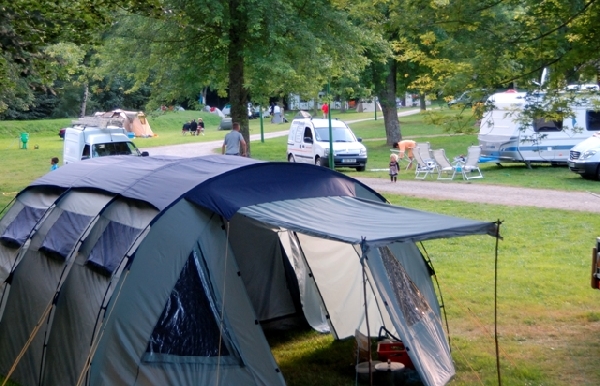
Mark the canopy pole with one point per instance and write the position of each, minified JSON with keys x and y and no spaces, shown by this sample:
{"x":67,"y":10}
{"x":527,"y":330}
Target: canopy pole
{"x":498,"y":223}
{"x":363,"y":248}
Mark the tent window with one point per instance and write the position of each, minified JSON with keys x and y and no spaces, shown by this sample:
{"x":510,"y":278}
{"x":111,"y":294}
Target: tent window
{"x":543,"y":126}
{"x":187,"y":325}
{"x":63,"y":235}
{"x":18,"y":231}
{"x":592,"y":120}
{"x":413,"y":304}
{"x":111,"y":247}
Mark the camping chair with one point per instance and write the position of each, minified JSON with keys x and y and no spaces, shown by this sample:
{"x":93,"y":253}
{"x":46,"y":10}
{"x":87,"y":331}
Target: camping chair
{"x":471,"y":164}
{"x":424,"y":166}
{"x":446,"y":171}
{"x":425,"y":149}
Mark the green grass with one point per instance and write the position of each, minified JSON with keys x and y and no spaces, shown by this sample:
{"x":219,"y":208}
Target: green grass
{"x":548,"y":316}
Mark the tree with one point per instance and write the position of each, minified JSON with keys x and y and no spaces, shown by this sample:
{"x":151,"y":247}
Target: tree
{"x":28,"y":27}
{"x":268,"y":47}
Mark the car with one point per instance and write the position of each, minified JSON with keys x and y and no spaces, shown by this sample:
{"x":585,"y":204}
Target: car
{"x":584,"y":158}
{"x":308,"y":142}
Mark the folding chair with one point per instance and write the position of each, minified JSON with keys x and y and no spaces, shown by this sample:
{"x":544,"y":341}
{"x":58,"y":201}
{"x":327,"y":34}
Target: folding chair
{"x":471,"y":164}
{"x":446,"y":171}
{"x":424,"y":167}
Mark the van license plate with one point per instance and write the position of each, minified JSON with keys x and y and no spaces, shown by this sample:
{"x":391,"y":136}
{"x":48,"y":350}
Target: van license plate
{"x":348,"y":161}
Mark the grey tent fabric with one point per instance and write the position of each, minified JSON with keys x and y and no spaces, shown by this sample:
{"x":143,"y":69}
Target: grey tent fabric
{"x":149,"y":236}
{"x":357,"y":220}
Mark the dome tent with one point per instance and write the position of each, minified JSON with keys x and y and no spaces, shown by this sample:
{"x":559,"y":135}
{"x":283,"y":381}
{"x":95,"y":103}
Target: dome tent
{"x":161,"y":270}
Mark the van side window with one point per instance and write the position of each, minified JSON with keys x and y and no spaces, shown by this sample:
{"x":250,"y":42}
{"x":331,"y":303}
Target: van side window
{"x":299,"y":133}
{"x":541,"y":125}
{"x":308,"y":134}
{"x":592,"y":120}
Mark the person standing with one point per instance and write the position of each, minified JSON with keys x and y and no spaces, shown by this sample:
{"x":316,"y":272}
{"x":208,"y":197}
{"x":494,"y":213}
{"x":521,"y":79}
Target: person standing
{"x":276,"y":114}
{"x":53,"y":163}
{"x":394,"y":167}
{"x":234,"y":141}
{"x":193,"y":127}
{"x":325,"y":110}
{"x":200,"y":126}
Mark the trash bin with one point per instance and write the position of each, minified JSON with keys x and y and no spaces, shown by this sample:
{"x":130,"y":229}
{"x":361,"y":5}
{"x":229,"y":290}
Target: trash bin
{"x":24,"y":140}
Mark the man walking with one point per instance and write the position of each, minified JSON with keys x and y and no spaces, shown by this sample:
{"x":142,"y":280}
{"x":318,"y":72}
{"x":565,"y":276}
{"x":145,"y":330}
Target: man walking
{"x":233,"y":141}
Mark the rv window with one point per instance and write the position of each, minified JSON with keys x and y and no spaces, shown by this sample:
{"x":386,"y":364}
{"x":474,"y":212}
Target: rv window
{"x":543,"y":126}
{"x":592,"y":120}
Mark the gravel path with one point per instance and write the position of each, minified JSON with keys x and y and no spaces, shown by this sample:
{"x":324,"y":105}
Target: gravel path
{"x":475,"y":191}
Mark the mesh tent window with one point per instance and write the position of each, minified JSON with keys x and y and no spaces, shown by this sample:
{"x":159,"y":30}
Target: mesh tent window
{"x":188,"y":325}
{"x":15,"y":235}
{"x":413,"y":304}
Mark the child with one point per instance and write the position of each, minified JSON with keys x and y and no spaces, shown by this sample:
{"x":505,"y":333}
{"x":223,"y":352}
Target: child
{"x":394,"y":167}
{"x":54,"y":163}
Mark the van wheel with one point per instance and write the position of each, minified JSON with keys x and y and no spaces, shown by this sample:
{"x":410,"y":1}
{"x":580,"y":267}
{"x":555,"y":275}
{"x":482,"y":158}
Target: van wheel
{"x":318,"y":161}
{"x":291,"y":158}
{"x":598,"y":173}
{"x":361,"y":168}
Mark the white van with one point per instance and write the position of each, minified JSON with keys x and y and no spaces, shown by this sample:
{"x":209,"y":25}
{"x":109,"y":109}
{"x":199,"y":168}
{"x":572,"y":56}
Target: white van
{"x":505,"y":137}
{"x":308,"y":142}
{"x":584,"y":158}
{"x":83,"y":142}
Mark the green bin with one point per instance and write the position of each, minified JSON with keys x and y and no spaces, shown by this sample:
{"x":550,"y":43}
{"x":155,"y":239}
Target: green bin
{"x":24,"y":140}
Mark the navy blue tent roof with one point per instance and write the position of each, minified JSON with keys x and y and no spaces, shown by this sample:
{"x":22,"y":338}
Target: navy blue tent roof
{"x":220,"y":183}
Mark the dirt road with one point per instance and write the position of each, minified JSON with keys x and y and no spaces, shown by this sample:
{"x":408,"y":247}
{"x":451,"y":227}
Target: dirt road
{"x":475,"y":191}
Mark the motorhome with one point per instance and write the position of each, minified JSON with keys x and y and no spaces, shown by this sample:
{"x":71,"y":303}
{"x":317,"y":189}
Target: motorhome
{"x":83,"y":142}
{"x":505,"y":136}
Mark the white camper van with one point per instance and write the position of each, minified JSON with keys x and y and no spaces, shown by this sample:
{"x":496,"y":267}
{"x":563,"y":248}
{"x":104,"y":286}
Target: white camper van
{"x":504,"y":137}
{"x":83,"y":142}
{"x":308,"y":142}
{"x":584,"y":158}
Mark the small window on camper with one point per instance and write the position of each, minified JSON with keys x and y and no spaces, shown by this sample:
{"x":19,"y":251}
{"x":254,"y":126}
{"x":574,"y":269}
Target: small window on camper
{"x":541,"y":125}
{"x":592,"y":120}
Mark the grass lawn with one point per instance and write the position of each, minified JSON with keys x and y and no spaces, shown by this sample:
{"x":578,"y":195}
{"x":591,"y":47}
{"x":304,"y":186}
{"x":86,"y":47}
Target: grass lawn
{"x":547,"y":313}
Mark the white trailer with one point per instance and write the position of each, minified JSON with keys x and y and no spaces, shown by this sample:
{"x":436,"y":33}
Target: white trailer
{"x":505,"y":136}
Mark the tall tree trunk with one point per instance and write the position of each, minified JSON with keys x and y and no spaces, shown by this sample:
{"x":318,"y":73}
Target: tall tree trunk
{"x":387,"y":99}
{"x":238,"y":94}
{"x":86,"y":95}
{"x":422,"y":105}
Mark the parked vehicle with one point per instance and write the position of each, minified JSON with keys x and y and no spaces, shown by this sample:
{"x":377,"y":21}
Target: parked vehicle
{"x":308,"y":142}
{"x":584,"y":158}
{"x":83,"y":142}
{"x":504,"y":134}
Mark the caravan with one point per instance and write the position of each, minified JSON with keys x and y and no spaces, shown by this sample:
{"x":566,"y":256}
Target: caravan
{"x":506,"y":136}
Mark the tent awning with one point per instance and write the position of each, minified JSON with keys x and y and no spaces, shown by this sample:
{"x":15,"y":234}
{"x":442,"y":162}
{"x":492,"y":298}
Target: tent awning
{"x":351,"y":219}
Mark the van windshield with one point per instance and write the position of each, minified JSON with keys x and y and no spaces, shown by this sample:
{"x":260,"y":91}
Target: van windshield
{"x":340,"y":134}
{"x":114,"y":148}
